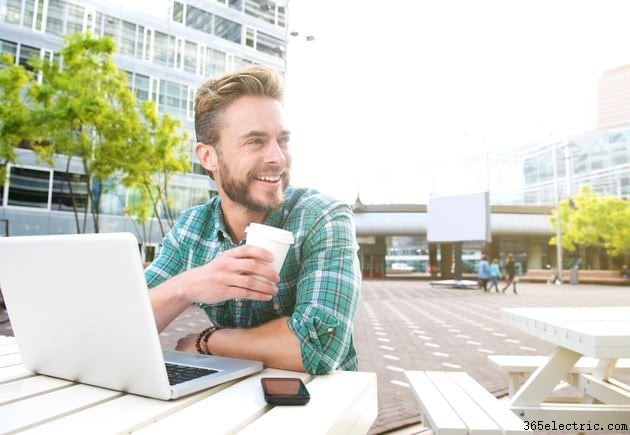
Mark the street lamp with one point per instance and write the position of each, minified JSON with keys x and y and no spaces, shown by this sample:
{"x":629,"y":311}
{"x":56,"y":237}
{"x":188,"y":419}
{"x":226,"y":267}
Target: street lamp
{"x":554,"y":156}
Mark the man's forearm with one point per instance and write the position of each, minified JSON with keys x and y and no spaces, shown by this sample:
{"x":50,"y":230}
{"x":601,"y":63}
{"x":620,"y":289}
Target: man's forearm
{"x":272,"y":343}
{"x":168,"y":302}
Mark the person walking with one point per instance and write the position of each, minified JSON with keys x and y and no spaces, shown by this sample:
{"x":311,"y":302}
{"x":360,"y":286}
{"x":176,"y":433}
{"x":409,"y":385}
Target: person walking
{"x":510,"y":272}
{"x":483,"y":273}
{"x":495,"y":275}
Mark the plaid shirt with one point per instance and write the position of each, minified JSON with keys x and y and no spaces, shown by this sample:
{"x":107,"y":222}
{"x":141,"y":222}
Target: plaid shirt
{"x":320,"y":280}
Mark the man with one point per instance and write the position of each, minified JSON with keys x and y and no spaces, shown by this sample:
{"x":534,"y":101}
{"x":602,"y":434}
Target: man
{"x":298,"y":320}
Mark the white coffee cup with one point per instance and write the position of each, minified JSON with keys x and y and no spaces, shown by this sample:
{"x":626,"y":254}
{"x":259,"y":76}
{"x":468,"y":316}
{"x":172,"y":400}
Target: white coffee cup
{"x":275,"y":240}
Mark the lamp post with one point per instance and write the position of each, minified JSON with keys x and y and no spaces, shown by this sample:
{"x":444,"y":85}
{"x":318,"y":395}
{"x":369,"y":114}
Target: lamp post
{"x":554,"y":156}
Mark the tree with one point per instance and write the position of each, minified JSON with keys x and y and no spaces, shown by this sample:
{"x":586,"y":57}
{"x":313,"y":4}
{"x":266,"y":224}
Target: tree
{"x":15,"y":125}
{"x":88,"y":113}
{"x":161,"y":152}
{"x":592,"y":219}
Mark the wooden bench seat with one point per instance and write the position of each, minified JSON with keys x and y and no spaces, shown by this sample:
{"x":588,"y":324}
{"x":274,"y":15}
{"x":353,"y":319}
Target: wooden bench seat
{"x":520,"y":367}
{"x":585,"y":276}
{"x":454,"y":403}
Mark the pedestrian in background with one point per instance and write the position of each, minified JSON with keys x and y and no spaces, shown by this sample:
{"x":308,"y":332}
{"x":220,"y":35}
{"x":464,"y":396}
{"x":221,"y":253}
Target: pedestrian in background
{"x":510,"y":273}
{"x":483,"y":273}
{"x":495,"y":275}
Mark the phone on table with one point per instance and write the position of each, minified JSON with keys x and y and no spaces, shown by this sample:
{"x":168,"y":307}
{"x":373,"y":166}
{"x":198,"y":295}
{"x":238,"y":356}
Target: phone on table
{"x":285,"y":391}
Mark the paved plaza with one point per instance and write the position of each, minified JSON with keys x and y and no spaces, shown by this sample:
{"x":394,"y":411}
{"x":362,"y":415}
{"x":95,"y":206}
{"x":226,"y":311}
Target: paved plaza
{"x":407,"y":324}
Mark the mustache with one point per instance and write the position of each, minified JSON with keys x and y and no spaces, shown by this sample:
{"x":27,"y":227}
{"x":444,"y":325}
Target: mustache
{"x":282,"y":170}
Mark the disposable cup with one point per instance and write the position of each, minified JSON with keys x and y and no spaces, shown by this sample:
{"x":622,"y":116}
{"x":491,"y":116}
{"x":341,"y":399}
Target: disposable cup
{"x":275,"y":240}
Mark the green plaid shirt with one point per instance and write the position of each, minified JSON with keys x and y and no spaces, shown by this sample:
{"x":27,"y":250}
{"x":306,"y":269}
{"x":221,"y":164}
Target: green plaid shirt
{"x":320,"y":280}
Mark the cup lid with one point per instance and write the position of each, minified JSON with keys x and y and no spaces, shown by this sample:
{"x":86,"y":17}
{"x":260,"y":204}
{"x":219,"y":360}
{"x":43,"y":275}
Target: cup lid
{"x":270,"y":232}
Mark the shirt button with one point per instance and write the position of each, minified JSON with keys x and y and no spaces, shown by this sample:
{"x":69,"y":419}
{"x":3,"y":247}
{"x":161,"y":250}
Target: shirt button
{"x":276,"y":306}
{"x":239,"y":304}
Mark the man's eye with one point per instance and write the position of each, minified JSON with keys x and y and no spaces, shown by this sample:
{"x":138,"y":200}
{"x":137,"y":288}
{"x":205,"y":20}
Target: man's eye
{"x":284,"y":140}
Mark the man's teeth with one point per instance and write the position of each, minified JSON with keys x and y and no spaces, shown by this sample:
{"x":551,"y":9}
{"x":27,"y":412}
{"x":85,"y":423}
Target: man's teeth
{"x":270,"y":179}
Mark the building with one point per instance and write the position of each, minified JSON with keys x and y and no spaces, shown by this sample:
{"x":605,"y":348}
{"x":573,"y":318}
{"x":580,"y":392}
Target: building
{"x":613,"y":98}
{"x":166,"y":52}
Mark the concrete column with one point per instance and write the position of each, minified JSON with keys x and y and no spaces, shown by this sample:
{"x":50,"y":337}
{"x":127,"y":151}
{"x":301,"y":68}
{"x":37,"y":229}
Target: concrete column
{"x":446,"y":260}
{"x":534,"y":254}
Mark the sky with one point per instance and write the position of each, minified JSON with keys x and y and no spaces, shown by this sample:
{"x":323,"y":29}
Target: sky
{"x":389,"y":93}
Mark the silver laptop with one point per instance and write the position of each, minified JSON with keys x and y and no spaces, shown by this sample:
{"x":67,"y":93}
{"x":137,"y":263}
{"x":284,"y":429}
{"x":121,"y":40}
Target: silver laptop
{"x":80,"y":310}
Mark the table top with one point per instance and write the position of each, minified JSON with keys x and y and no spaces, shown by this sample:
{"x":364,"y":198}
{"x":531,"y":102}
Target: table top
{"x":341,"y":402}
{"x":601,"y":332}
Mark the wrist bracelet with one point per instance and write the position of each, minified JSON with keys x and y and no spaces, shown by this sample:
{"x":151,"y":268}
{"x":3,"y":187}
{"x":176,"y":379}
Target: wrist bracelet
{"x":202,"y":340}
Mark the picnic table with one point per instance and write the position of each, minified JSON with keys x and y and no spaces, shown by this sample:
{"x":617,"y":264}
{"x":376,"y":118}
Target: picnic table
{"x":602,"y":333}
{"x":341,"y":402}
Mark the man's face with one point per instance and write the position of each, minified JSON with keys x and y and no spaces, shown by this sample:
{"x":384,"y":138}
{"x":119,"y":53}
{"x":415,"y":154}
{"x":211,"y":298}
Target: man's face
{"x":253,"y":160}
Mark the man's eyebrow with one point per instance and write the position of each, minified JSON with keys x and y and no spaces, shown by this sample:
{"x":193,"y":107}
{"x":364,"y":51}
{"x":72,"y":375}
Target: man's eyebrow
{"x":256,"y":133}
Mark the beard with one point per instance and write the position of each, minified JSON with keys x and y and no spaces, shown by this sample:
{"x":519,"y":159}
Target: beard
{"x":238,"y":190}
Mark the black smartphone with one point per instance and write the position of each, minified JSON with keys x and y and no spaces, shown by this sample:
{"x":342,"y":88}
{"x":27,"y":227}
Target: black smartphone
{"x":285,"y":391}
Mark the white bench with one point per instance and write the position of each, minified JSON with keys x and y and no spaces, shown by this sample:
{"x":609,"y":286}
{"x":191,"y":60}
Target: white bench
{"x":520,"y":367}
{"x":454,"y":403}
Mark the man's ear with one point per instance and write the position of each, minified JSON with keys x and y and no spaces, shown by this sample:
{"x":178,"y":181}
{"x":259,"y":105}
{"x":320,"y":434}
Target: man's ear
{"x":207,"y":156}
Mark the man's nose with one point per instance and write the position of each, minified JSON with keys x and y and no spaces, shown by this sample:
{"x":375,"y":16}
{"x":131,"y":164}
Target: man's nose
{"x":275,"y":153}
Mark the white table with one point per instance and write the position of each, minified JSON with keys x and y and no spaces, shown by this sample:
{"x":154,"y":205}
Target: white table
{"x":599,"y":332}
{"x":342,"y":402}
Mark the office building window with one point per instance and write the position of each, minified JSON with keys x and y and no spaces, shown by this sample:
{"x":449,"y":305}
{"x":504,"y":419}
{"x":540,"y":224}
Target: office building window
{"x":255,"y":9}
{"x":269,"y":45}
{"x":236,"y":4}
{"x":8,"y":47}
{"x":11,"y":11}
{"x":128,"y":39}
{"x":28,"y":187}
{"x":226,"y":29}
{"x":190,"y":57}
{"x":164,"y":53}
{"x":199,"y":19}
{"x":54,"y":19}
{"x":29,"y":14}
{"x":178,"y":12}
{"x":141,"y":86}
{"x":216,"y":62}
{"x":68,"y":187}
{"x":113,"y":198}
{"x":172,"y":98}
{"x":111,"y":27}
{"x":74,"y":22}
{"x":26,"y":53}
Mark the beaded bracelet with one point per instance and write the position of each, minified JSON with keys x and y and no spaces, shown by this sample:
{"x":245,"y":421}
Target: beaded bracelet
{"x":202,"y":340}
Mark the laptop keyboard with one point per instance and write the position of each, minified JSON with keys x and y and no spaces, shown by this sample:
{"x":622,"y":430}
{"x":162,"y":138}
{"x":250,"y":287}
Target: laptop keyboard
{"x":178,"y":373}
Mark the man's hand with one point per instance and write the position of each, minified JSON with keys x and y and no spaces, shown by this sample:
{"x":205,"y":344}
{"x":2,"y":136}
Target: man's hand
{"x":244,"y":272}
{"x":187,"y":343}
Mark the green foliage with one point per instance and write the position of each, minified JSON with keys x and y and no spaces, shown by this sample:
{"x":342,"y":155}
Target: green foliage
{"x":161,"y":152}
{"x":15,"y":125}
{"x":82,"y":109}
{"x":592,"y":219}
{"x":87,"y":113}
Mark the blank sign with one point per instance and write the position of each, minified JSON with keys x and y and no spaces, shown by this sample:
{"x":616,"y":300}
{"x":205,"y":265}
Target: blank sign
{"x":459,"y":218}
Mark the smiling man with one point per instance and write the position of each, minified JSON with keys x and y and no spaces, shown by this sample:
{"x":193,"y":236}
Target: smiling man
{"x":301,"y":319}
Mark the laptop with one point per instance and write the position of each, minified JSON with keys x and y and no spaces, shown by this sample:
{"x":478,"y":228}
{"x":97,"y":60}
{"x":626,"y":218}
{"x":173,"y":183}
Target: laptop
{"x":80,"y":310}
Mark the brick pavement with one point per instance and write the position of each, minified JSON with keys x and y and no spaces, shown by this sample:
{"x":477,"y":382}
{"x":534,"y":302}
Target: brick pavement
{"x":407,"y":324}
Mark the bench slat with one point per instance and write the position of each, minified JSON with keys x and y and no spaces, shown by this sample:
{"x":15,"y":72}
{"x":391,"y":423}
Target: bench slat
{"x":498,"y":411}
{"x":442,"y":418}
{"x":453,"y":402}
{"x":473,"y":416}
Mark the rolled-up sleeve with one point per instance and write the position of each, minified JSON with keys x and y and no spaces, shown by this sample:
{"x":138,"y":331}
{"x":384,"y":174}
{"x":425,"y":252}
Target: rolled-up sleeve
{"x":328,"y":291}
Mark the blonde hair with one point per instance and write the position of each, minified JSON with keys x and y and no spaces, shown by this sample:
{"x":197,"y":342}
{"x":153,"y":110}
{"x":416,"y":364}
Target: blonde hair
{"x":216,"y":94}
